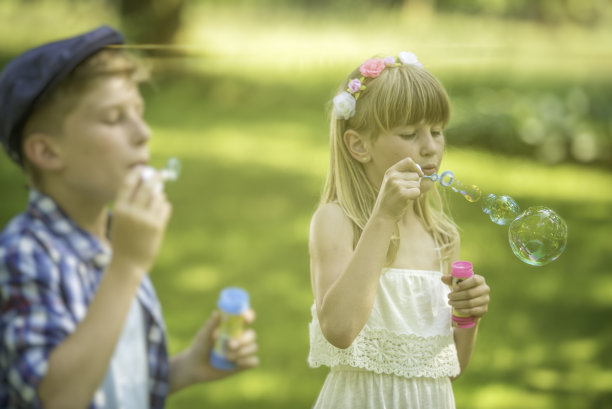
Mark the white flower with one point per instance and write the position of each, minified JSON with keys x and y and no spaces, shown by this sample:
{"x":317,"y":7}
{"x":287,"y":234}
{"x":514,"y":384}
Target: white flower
{"x":406,"y":57}
{"x":344,"y":105}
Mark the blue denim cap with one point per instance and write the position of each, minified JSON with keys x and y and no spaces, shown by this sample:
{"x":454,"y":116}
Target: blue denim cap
{"x":29,"y":77}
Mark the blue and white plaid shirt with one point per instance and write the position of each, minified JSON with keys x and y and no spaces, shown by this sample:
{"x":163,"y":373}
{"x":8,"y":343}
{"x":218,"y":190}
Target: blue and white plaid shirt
{"x":49,"y":272}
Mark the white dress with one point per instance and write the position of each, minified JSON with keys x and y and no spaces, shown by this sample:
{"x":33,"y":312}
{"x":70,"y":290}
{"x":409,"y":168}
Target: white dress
{"x":404,"y":355}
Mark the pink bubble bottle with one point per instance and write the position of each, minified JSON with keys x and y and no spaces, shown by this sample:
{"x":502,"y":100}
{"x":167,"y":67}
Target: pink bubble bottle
{"x":461,"y":270}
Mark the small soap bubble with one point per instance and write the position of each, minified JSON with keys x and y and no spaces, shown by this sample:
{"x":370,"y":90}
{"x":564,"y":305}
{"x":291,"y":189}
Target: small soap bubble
{"x":538,"y":236}
{"x":503,"y":210}
{"x":488,"y":202}
{"x":470,"y":192}
{"x":172,"y":170}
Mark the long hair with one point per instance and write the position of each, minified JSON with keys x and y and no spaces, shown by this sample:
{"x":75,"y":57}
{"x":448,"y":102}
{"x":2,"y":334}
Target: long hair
{"x":401,"y":95}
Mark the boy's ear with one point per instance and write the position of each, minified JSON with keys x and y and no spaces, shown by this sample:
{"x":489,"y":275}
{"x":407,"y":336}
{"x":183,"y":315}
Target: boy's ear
{"x":42,"y":151}
{"x":356,"y":146}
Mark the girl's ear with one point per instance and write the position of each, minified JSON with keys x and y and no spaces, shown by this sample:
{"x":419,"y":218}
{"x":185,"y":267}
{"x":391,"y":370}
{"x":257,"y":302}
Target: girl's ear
{"x":42,"y":151}
{"x":356,"y":146}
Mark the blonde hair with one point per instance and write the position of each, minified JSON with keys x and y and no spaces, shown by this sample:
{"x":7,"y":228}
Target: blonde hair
{"x":401,"y":95}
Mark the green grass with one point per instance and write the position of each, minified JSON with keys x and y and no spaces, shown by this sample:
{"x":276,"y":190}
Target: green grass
{"x":251,"y":131}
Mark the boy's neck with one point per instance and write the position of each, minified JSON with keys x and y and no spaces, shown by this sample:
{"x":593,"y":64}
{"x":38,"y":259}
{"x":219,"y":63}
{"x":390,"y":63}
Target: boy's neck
{"x":89,"y":214}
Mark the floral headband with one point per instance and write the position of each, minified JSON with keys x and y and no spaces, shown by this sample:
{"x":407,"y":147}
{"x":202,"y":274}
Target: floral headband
{"x":344,"y":103}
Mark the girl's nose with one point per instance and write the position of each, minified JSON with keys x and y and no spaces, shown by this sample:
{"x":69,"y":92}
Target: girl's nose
{"x":428,"y":145}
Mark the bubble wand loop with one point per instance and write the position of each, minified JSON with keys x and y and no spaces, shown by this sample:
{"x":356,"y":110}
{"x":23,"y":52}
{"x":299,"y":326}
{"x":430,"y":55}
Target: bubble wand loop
{"x":537,"y":236}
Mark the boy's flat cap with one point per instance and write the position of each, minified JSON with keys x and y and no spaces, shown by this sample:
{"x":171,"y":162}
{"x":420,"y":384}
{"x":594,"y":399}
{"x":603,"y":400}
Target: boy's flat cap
{"x":30,"y":76}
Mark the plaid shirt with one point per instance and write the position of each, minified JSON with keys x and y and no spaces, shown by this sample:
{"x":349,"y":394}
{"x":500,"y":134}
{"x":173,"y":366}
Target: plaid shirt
{"x":49,"y":272}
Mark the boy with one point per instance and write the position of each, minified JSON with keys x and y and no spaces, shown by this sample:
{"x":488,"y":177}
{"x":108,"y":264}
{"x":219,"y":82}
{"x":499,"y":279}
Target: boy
{"x":81,"y":325}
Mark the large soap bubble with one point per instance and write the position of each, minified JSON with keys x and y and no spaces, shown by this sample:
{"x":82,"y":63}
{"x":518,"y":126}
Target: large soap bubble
{"x":538,"y":236}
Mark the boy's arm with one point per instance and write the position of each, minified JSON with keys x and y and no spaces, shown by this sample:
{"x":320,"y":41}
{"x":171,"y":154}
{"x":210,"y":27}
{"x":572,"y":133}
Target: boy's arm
{"x":77,"y":366}
{"x":192,"y":365}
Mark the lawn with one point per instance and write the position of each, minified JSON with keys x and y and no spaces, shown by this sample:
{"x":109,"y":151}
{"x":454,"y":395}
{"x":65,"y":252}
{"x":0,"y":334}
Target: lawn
{"x":249,"y":125}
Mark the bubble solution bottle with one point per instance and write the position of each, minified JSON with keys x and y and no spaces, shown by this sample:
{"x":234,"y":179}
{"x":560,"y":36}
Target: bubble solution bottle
{"x":460,"y":271}
{"x":233,"y":301}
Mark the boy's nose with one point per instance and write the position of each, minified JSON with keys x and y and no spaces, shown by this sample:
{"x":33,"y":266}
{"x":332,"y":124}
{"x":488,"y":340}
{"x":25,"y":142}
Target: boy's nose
{"x":142,"y":132}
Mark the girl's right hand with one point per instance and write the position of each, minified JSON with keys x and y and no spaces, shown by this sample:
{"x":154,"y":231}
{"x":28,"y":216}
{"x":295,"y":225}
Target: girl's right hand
{"x":400,"y":186}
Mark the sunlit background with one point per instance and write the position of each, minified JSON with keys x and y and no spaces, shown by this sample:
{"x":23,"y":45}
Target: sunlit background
{"x":241,"y":95}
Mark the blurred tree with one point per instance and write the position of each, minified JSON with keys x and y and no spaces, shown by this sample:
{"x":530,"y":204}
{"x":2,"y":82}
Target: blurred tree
{"x":150,"y":21}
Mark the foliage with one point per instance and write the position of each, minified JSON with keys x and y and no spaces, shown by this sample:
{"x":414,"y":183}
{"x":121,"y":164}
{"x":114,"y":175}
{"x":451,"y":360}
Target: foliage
{"x":249,"y":125}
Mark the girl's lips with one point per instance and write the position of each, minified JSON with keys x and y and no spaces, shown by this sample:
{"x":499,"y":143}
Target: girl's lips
{"x":429,"y":170}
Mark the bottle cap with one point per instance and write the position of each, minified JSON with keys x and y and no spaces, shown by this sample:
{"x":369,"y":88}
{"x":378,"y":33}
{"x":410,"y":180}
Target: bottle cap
{"x":233,"y":300}
{"x":462,"y":269}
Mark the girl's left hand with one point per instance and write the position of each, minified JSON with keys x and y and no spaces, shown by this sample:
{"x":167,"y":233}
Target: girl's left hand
{"x":470,"y":297}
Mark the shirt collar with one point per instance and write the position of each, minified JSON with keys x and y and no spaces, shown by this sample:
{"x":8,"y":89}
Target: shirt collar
{"x":87,"y":246}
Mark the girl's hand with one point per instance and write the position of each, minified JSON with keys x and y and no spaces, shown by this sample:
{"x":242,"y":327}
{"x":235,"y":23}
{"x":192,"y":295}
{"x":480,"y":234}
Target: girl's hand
{"x":399,"y":187}
{"x":470,"y":297}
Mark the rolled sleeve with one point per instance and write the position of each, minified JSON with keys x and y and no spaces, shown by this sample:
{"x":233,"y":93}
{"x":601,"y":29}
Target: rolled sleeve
{"x":34,"y":317}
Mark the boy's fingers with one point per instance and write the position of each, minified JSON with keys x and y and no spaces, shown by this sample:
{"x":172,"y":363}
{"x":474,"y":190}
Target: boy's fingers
{"x":211,"y":323}
{"x":247,"y":337}
{"x":129,"y":184}
{"x":249,"y":316}
{"x":146,"y":191}
{"x":249,"y":362}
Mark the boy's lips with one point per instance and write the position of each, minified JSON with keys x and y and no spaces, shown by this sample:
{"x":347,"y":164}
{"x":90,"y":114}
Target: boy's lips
{"x":139,"y":163}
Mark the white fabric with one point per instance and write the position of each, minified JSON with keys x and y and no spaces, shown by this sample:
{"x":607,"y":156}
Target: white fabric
{"x":403,"y":356}
{"x":126,"y":383}
{"x":353,"y":388}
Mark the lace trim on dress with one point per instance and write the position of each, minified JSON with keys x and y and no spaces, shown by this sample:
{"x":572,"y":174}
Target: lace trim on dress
{"x":383,"y":351}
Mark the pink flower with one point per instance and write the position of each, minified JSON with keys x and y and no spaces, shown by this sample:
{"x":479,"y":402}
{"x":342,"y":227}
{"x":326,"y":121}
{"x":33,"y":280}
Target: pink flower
{"x":354,"y":85}
{"x":372,"y":67}
{"x":389,"y":60}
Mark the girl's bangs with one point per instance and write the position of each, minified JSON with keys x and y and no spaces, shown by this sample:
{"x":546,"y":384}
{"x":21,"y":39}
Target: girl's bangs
{"x":411,"y":96}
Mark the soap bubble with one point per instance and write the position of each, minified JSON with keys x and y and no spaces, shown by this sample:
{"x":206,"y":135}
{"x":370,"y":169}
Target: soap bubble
{"x":538,"y":236}
{"x":488,"y":202}
{"x":502,"y":210}
{"x":470,"y":192}
{"x":172,"y":170}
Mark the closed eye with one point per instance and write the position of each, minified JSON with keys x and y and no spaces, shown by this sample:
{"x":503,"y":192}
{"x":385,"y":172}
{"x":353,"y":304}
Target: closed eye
{"x":408,"y":135}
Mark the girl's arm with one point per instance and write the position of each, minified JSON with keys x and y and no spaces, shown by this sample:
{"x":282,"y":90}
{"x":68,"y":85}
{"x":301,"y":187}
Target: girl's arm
{"x":345,"y":280}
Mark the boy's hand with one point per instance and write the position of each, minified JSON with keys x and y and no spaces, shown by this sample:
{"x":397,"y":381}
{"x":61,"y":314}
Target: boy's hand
{"x":470,"y":297}
{"x":242,"y":350}
{"x":140,"y":216}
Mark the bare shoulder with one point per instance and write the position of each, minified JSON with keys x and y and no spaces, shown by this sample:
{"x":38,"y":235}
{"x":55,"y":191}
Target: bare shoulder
{"x":329,"y":224}
{"x":330,"y":216}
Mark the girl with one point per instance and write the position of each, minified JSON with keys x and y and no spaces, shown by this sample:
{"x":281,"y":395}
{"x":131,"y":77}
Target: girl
{"x":381,"y":247}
